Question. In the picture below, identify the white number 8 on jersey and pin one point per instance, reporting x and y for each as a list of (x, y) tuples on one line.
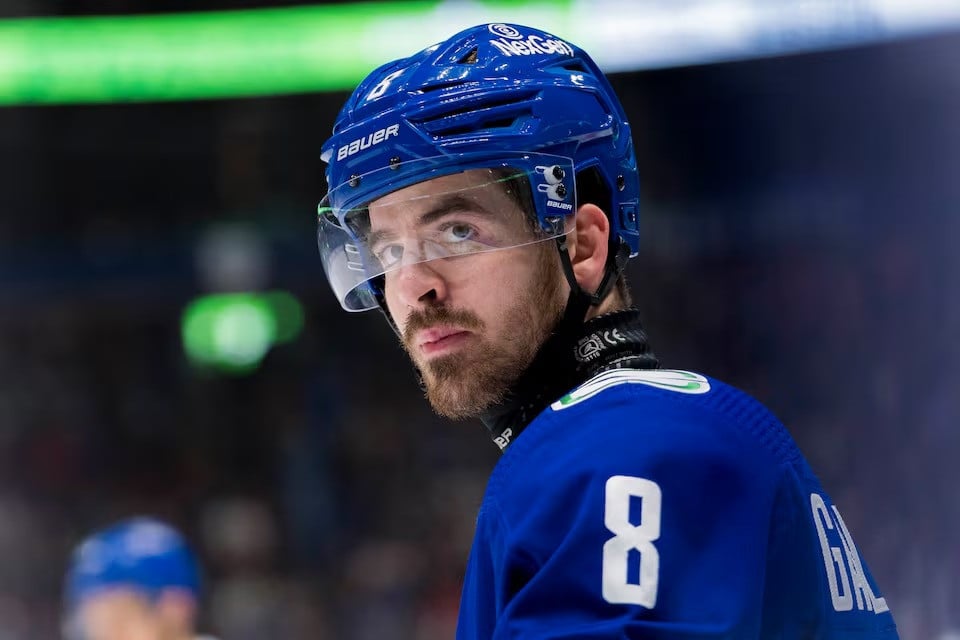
[(618, 587)]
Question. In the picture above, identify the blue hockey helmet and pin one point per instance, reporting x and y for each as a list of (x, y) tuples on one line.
[(141, 553), (528, 107)]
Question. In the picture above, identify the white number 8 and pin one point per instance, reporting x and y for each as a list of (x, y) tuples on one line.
[(382, 86), (618, 588)]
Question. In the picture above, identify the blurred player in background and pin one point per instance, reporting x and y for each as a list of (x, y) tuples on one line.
[(136, 580), (483, 194)]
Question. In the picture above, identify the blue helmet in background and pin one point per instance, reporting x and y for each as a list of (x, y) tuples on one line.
[(494, 95), (141, 553)]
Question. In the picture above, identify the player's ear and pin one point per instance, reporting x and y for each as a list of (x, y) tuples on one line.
[(589, 246), (177, 609)]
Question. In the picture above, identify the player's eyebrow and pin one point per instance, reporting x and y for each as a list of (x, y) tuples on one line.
[(443, 205)]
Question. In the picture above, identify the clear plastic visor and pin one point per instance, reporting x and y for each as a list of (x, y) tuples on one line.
[(450, 216)]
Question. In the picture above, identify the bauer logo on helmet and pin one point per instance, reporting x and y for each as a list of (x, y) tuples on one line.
[(367, 141)]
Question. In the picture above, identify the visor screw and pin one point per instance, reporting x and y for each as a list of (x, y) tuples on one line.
[(354, 180), (621, 183), (561, 189), (558, 172), (395, 162)]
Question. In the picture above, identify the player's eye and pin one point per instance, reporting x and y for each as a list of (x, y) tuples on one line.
[(389, 255), (458, 232)]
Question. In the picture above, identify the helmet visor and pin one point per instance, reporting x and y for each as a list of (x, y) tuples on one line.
[(502, 205)]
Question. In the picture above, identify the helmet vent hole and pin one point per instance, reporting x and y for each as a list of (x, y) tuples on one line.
[(438, 86), (483, 125), (574, 65), (500, 123), (470, 58)]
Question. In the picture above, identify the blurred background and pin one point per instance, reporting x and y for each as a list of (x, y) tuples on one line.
[(801, 176)]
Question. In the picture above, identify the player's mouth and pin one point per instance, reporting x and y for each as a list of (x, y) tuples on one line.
[(441, 340)]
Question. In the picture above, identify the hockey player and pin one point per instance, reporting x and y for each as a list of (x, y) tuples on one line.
[(483, 194), (136, 580)]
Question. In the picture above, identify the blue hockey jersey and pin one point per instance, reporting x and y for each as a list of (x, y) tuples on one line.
[(656, 504)]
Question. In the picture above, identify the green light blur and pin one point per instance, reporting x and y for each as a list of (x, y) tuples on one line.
[(233, 332), (214, 54)]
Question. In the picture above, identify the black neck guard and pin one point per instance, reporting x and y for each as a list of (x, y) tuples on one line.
[(568, 358)]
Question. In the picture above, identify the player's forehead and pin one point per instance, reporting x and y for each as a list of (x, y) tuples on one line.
[(483, 190), (115, 599)]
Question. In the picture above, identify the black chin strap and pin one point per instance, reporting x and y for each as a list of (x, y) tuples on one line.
[(581, 300)]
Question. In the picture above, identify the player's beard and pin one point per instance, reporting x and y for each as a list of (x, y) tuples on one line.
[(466, 383)]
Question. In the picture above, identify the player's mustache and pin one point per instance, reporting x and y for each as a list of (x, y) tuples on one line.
[(433, 316)]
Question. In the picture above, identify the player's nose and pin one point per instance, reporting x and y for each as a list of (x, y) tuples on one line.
[(419, 285)]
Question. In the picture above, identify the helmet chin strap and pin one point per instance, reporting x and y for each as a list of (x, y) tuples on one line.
[(580, 300)]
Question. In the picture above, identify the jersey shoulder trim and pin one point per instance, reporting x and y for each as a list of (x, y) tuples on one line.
[(667, 379)]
